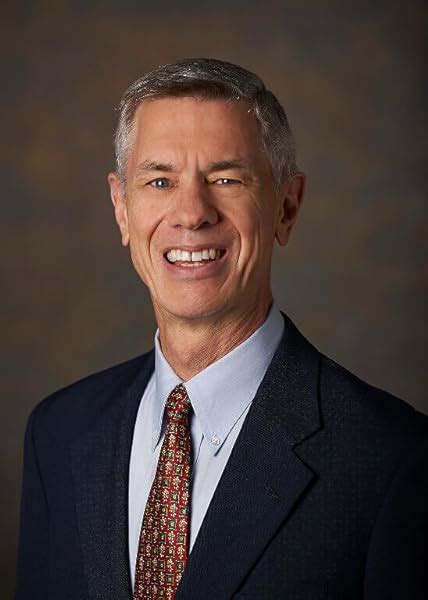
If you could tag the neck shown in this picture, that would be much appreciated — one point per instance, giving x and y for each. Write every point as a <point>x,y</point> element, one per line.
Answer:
<point>190,346</point>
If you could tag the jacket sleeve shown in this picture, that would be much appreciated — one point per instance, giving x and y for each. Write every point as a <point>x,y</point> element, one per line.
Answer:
<point>32,568</point>
<point>397,561</point>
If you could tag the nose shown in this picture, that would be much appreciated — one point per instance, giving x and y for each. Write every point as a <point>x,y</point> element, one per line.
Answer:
<point>192,209</point>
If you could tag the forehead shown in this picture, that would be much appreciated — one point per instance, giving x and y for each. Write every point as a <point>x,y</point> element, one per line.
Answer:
<point>188,123</point>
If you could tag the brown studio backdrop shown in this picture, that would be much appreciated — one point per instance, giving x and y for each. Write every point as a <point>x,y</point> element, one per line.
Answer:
<point>351,78</point>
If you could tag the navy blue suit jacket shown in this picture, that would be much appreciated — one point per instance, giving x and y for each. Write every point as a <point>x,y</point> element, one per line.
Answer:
<point>324,495</point>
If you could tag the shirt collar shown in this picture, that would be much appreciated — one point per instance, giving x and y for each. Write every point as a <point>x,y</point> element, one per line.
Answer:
<point>220,393</point>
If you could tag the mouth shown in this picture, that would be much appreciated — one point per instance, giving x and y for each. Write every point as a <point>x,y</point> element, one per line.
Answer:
<point>193,258</point>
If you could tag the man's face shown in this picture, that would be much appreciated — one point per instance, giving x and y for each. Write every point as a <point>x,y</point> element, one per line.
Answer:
<point>200,211</point>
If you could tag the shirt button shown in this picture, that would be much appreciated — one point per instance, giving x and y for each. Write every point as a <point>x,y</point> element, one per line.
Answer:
<point>215,440</point>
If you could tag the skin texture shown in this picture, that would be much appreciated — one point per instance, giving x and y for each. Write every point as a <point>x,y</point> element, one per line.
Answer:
<point>177,195</point>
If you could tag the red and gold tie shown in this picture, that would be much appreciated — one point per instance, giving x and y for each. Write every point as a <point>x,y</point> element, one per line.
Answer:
<point>164,538</point>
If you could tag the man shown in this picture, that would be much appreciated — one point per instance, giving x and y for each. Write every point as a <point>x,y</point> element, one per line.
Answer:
<point>234,460</point>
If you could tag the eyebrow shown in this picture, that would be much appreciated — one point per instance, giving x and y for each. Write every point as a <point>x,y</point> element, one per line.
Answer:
<point>222,165</point>
<point>151,165</point>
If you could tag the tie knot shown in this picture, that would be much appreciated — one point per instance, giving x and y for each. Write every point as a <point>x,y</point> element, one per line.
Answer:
<point>178,404</point>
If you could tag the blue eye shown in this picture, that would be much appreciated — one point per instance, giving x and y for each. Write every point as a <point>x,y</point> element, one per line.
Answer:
<point>160,183</point>
<point>225,181</point>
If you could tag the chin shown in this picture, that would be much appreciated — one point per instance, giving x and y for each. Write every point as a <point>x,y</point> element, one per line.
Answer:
<point>192,301</point>
<point>194,310</point>
<point>191,313</point>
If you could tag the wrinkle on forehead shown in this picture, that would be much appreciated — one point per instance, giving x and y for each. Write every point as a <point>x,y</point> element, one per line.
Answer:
<point>191,114</point>
<point>167,128</point>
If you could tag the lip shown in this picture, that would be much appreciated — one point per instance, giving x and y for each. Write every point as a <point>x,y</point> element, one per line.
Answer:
<point>196,248</point>
<point>208,269</point>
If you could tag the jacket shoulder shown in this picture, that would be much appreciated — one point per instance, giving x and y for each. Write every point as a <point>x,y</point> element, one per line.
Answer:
<point>347,398</point>
<point>72,408</point>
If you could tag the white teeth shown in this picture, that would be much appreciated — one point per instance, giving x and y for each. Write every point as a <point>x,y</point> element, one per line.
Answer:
<point>193,257</point>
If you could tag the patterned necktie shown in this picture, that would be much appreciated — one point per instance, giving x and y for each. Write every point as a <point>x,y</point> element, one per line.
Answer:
<point>164,538</point>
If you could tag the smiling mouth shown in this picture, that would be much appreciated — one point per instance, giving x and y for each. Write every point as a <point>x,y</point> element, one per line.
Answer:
<point>185,258</point>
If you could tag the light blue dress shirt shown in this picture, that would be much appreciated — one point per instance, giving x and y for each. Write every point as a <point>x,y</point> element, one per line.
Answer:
<point>221,396</point>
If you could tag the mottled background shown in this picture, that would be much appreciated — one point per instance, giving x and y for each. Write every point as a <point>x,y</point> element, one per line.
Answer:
<point>350,75</point>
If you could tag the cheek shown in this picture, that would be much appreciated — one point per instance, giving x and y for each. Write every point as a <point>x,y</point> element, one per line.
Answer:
<point>144,226</point>
<point>256,230</point>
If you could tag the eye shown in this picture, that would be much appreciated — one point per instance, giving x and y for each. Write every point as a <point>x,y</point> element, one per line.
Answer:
<point>226,181</point>
<point>160,183</point>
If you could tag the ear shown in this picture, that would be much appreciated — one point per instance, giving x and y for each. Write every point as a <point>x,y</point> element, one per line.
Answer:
<point>291,197</point>
<point>117,194</point>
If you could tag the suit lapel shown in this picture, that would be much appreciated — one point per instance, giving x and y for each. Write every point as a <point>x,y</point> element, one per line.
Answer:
<point>264,477</point>
<point>100,467</point>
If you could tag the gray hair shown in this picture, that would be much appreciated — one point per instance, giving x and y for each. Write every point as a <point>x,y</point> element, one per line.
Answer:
<point>207,78</point>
